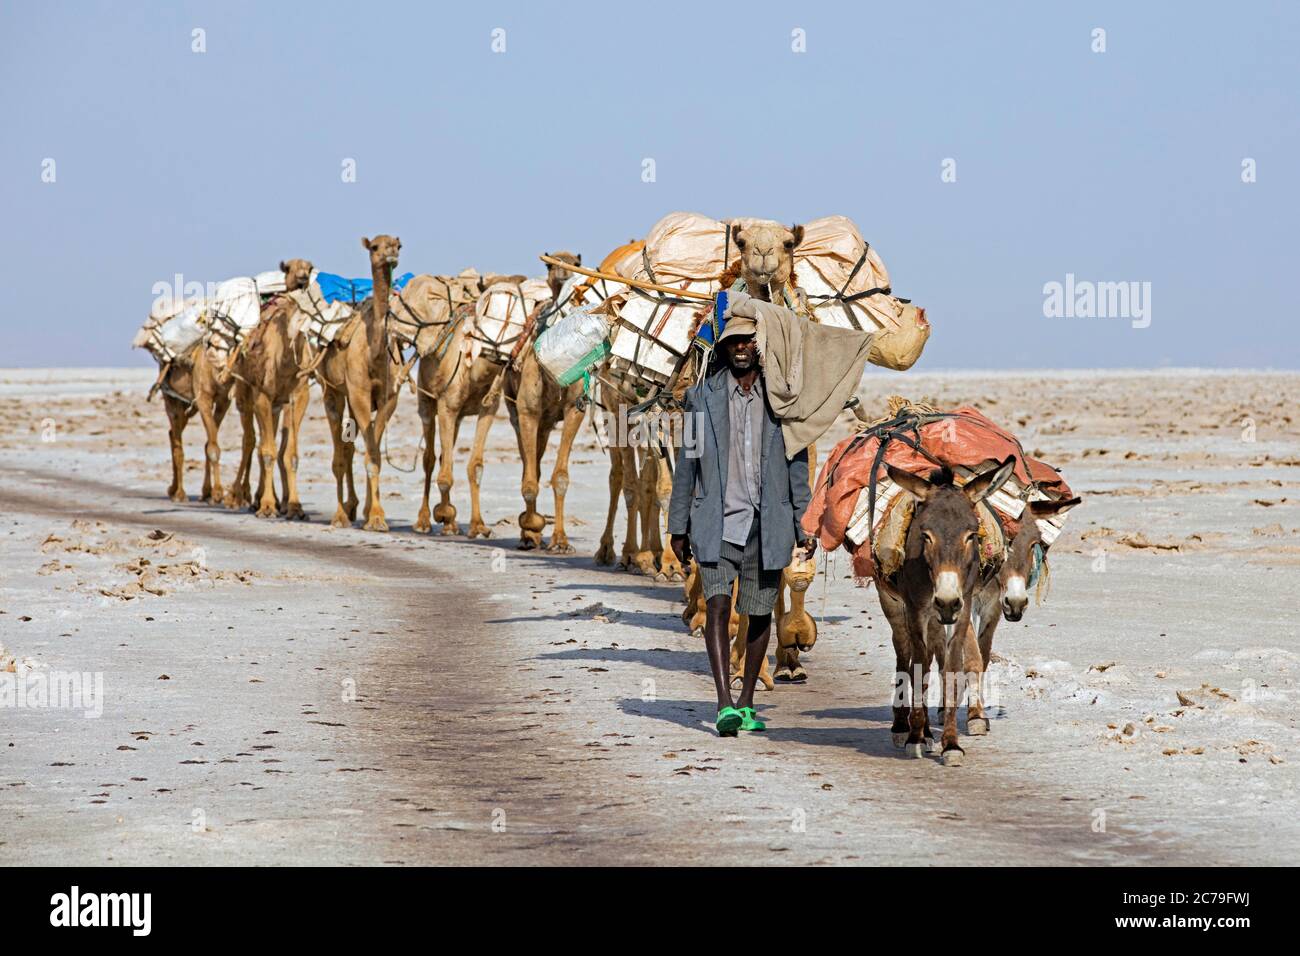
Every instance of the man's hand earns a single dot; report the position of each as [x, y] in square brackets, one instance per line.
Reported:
[681, 545]
[809, 547]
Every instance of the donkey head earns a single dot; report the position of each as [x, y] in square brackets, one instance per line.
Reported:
[944, 533]
[1018, 566]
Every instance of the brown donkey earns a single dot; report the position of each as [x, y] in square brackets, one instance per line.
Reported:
[929, 604]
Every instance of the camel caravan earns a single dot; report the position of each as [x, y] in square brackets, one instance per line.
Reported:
[941, 509]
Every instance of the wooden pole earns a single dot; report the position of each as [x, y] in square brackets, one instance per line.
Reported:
[636, 283]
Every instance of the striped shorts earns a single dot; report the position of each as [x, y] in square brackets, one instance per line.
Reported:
[758, 588]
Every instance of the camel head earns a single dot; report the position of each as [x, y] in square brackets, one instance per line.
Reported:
[297, 273]
[556, 276]
[766, 256]
[383, 251]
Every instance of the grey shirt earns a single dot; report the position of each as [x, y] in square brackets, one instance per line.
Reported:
[745, 413]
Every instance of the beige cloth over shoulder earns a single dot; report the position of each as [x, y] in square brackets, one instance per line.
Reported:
[809, 370]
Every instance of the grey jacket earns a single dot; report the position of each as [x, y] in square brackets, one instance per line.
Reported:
[700, 480]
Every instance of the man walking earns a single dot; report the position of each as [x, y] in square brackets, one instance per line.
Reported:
[737, 502]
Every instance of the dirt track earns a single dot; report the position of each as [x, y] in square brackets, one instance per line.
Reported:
[534, 708]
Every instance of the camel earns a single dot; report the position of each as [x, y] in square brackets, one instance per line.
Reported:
[189, 385]
[536, 405]
[361, 371]
[452, 385]
[270, 367]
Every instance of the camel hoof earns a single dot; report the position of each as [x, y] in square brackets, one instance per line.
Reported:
[915, 750]
[697, 632]
[929, 744]
[376, 524]
[480, 531]
[340, 520]
[900, 739]
[451, 530]
[677, 577]
[559, 547]
[295, 513]
[605, 555]
[798, 675]
[179, 495]
[977, 726]
[266, 511]
[952, 757]
[422, 525]
[737, 680]
[529, 543]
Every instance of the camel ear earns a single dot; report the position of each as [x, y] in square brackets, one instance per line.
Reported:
[738, 239]
[987, 482]
[365, 243]
[918, 486]
[579, 259]
[283, 267]
[797, 233]
[1042, 509]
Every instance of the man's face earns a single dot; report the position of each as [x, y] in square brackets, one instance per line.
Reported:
[741, 352]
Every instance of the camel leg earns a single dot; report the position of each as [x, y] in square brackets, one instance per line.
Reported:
[486, 416]
[429, 424]
[449, 424]
[628, 559]
[573, 417]
[335, 409]
[289, 451]
[694, 614]
[605, 553]
[266, 415]
[238, 496]
[788, 667]
[670, 569]
[176, 419]
[376, 520]
[363, 415]
[212, 490]
[644, 559]
[531, 524]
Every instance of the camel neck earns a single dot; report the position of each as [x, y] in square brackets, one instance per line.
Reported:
[383, 285]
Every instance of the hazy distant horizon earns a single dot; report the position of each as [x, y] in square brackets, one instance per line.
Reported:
[1122, 166]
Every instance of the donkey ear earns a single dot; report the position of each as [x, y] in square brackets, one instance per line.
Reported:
[1041, 509]
[915, 484]
[987, 482]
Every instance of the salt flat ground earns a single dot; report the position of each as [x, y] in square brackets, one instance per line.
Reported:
[288, 693]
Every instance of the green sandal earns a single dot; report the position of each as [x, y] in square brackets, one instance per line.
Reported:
[729, 721]
[749, 721]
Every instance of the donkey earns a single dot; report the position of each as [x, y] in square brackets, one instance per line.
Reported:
[1005, 592]
[929, 604]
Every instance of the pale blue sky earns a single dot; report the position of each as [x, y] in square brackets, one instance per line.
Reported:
[1119, 166]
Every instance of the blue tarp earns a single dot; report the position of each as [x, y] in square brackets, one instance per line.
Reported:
[354, 291]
